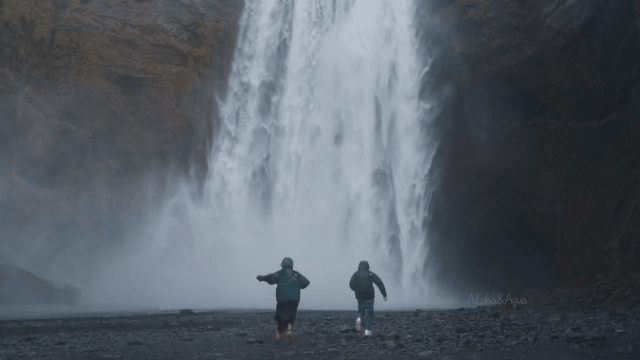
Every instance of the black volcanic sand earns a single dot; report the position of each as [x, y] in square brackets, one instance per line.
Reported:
[479, 333]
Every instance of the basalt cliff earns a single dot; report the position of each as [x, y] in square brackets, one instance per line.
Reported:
[538, 168]
[101, 101]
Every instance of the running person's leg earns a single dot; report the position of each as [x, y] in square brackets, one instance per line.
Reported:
[290, 318]
[368, 323]
[361, 313]
[281, 319]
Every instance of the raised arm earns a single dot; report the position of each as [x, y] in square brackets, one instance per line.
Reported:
[270, 279]
[379, 284]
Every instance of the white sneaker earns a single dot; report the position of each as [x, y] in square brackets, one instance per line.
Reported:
[290, 334]
[367, 333]
[358, 324]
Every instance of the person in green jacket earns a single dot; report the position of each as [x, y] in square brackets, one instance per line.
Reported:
[289, 284]
[362, 283]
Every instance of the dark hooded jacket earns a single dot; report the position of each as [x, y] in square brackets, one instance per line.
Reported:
[289, 283]
[362, 283]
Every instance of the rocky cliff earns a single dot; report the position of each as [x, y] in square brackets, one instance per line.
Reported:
[20, 287]
[95, 95]
[538, 168]
[536, 173]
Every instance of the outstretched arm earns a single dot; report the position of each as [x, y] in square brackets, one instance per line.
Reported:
[270, 279]
[379, 284]
[304, 282]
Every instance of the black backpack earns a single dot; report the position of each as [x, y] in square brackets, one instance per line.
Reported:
[365, 284]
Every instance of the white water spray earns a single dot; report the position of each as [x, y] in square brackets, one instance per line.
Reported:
[322, 157]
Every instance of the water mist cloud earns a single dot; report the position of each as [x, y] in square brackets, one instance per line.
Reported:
[322, 156]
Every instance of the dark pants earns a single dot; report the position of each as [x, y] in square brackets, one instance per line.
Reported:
[286, 313]
[366, 308]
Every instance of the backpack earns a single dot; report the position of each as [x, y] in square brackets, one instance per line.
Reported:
[365, 284]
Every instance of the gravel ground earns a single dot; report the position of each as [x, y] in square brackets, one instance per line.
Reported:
[480, 333]
[599, 322]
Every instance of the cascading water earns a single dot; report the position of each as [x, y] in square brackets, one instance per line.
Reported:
[322, 156]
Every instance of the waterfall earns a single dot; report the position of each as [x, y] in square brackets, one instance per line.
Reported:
[321, 155]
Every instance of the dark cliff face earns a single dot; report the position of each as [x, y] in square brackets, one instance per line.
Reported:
[94, 97]
[538, 169]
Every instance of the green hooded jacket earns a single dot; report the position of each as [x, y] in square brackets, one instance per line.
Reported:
[289, 283]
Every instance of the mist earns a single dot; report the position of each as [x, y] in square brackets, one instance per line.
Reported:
[323, 157]
[323, 154]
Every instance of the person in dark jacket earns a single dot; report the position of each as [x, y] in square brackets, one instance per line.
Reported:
[362, 283]
[287, 295]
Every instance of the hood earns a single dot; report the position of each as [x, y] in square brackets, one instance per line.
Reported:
[364, 265]
[287, 263]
